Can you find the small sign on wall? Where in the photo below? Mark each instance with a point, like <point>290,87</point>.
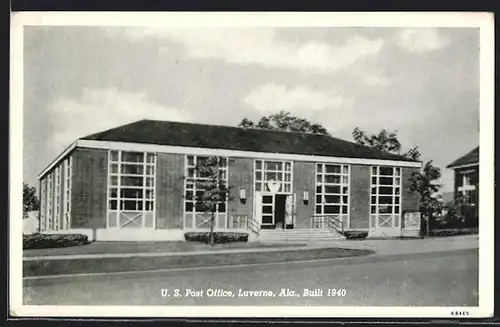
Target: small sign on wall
<point>412,222</point>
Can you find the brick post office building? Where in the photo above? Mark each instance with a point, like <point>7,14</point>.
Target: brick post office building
<point>135,182</point>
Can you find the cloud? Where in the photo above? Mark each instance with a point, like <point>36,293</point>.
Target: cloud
<point>98,110</point>
<point>421,40</point>
<point>261,46</point>
<point>271,98</point>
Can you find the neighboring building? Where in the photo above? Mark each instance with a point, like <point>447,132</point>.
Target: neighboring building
<point>131,182</point>
<point>467,177</point>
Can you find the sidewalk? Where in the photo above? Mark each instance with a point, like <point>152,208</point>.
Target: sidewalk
<point>411,246</point>
<point>381,248</point>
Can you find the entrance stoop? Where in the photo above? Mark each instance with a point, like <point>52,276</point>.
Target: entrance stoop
<point>298,235</point>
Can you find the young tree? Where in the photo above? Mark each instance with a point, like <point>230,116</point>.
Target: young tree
<point>284,121</point>
<point>423,182</point>
<point>30,200</point>
<point>211,187</point>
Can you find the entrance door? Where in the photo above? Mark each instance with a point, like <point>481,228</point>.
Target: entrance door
<point>279,211</point>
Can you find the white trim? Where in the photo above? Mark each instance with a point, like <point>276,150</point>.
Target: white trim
<point>57,159</point>
<point>142,147</point>
<point>464,166</point>
<point>466,171</point>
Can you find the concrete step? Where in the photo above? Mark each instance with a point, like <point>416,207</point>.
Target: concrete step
<point>299,234</point>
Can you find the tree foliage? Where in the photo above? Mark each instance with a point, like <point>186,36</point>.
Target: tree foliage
<point>211,187</point>
<point>30,200</point>
<point>284,121</point>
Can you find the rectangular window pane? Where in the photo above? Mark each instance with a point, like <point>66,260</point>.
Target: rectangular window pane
<point>319,168</point>
<point>150,158</point>
<point>374,170</point>
<point>346,169</point>
<point>258,187</point>
<point>258,175</point>
<point>373,209</point>
<point>374,180</point>
<point>132,156</point>
<point>113,204</point>
<point>319,199</point>
<point>258,164</point>
<point>332,199</point>
<point>386,171</point>
<point>333,169</point>
<point>114,155</point>
<point>113,180</point>
<point>221,207</point>
<point>386,181</point>
<point>344,209</point>
<point>384,190</point>
<point>113,192</point>
<point>131,193</point>
<point>385,209</point>
<point>267,199</point>
<point>328,209</point>
<point>114,168</point>
<point>267,219</point>
<point>288,188</point>
<point>318,209</point>
<point>267,209</point>
<point>319,189</point>
<point>332,189</point>
<point>150,182</point>
<point>288,166</point>
<point>374,199</point>
<point>385,200</point>
<point>332,179</point>
<point>319,179</point>
<point>131,181</point>
<point>132,169</point>
<point>270,176</point>
<point>344,199</point>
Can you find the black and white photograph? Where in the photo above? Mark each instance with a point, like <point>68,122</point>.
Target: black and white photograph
<point>246,164</point>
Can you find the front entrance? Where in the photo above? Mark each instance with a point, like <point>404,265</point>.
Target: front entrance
<point>274,211</point>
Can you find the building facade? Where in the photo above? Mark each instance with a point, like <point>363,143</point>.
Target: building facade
<point>136,182</point>
<point>466,171</point>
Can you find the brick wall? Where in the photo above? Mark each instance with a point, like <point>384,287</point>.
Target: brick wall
<point>240,176</point>
<point>169,191</point>
<point>89,198</point>
<point>410,200</point>
<point>360,197</point>
<point>304,180</point>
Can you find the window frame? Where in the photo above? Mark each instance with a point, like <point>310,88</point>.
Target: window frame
<point>192,214</point>
<point>143,204</point>
<point>345,181</point>
<point>395,217</point>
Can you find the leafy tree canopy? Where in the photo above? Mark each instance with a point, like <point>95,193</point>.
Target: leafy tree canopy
<point>284,121</point>
<point>30,200</point>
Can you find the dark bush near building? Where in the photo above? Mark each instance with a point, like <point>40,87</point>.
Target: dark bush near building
<point>355,235</point>
<point>219,237</point>
<point>453,232</point>
<point>44,241</point>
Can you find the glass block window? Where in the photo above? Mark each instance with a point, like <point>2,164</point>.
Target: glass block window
<point>332,190</point>
<point>385,196</point>
<point>50,203</point>
<point>279,171</point>
<point>43,204</point>
<point>67,193</point>
<point>57,198</point>
<point>131,189</point>
<point>194,214</point>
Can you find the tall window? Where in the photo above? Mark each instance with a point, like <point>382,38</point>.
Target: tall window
<point>332,190</point>
<point>57,198</point>
<point>50,204</point>
<point>67,193</point>
<point>43,206</point>
<point>267,171</point>
<point>131,189</point>
<point>385,205</point>
<point>468,188</point>
<point>194,215</point>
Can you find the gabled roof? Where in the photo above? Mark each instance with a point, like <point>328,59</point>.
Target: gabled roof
<point>471,157</point>
<point>237,138</point>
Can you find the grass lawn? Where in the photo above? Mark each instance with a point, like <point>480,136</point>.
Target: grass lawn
<point>74,266</point>
<point>147,247</point>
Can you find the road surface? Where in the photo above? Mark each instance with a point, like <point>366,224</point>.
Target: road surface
<point>433,279</point>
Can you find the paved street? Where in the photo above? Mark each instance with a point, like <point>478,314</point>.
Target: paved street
<point>421,279</point>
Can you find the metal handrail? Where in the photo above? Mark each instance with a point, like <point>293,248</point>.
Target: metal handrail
<point>327,221</point>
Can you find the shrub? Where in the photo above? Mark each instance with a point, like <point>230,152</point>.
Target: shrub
<point>453,232</point>
<point>353,235</point>
<point>44,241</point>
<point>219,237</point>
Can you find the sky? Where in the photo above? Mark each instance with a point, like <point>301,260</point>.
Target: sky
<point>422,83</point>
